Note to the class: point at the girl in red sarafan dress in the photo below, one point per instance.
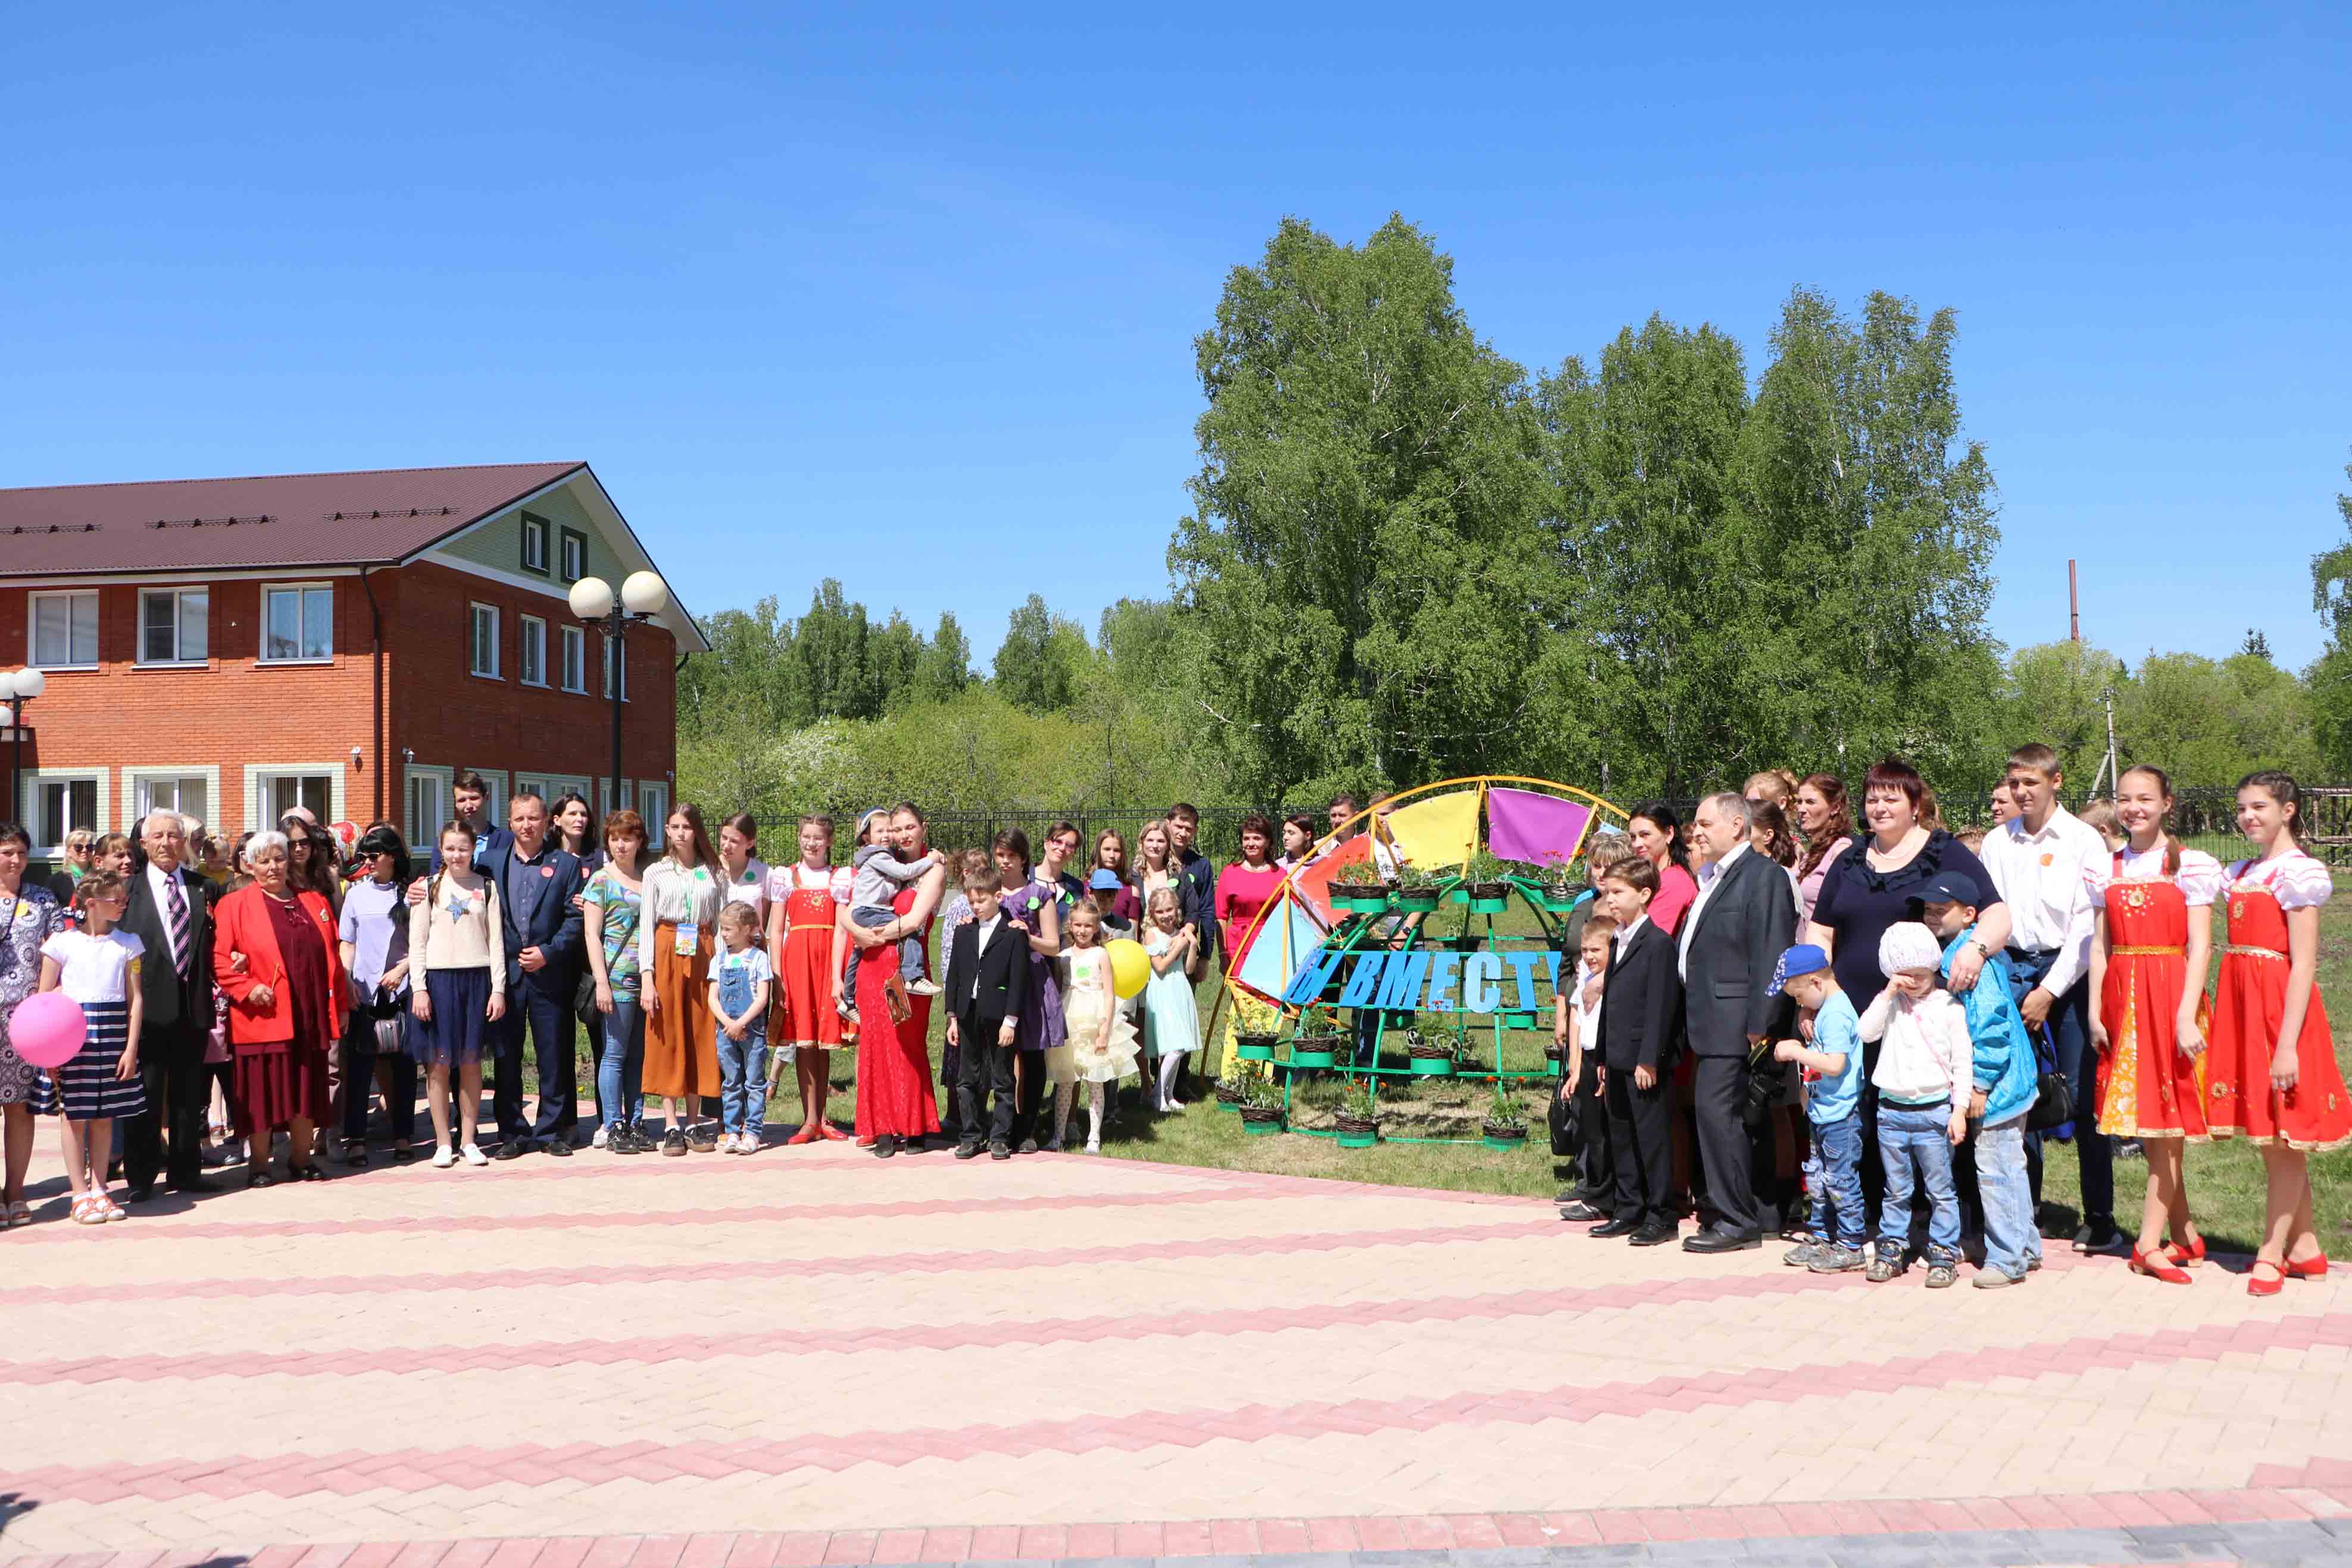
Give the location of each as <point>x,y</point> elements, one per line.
<point>2153,910</point>
<point>2273,1078</point>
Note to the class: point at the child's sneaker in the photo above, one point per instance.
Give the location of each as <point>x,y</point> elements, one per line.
<point>601,1134</point>
<point>444,1157</point>
<point>699,1139</point>
<point>746,1144</point>
<point>1801,1254</point>
<point>1995,1279</point>
<point>848,1010</point>
<point>1882,1268</point>
<point>923,988</point>
<point>1941,1273</point>
<point>727,1143</point>
<point>472,1154</point>
<point>1833,1260</point>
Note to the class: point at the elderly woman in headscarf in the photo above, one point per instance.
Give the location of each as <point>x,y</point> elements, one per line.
<point>286,1007</point>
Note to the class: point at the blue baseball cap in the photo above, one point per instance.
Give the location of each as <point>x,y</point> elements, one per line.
<point>1951,887</point>
<point>1105,880</point>
<point>1805,958</point>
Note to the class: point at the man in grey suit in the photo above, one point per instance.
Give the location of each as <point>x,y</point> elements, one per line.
<point>1745,917</point>
<point>169,910</point>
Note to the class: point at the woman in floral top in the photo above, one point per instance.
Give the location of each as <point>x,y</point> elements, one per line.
<point>611,905</point>
<point>28,917</point>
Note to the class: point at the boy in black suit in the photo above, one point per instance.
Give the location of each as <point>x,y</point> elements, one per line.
<point>1640,1036</point>
<point>987,982</point>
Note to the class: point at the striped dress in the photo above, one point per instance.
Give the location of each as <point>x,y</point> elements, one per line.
<point>97,973</point>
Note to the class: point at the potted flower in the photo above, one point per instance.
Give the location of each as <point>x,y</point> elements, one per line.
<point>1360,1116</point>
<point>1504,1125</point>
<point>1563,888</point>
<point>1430,1058</point>
<point>1316,1044</point>
<point>1417,891</point>
<point>1359,886</point>
<point>1261,1108</point>
<point>1229,1092</point>
<point>1254,1045</point>
<point>1484,887</point>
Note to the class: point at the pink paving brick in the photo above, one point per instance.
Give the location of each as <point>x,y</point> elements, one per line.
<point>515,1554</point>
<point>705,1551</point>
<point>801,1548</point>
<point>1085,1540</point>
<point>849,1547</point>
<point>1146,1540</point>
<point>1044,1541</point>
<point>1424,1534</point>
<point>1621,1527</point>
<point>1182,1538</point>
<point>1229,1537</point>
<point>1332,1535</point>
<point>945,1546</point>
<point>1281,1535</point>
<point>657,1552</point>
<point>996,1543</point>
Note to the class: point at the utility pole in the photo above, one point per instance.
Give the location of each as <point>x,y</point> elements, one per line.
<point>2073,603</point>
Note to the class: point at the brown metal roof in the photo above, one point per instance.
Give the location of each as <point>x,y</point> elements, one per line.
<point>270,520</point>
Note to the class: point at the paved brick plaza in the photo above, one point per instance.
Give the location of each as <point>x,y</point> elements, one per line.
<point>812,1357</point>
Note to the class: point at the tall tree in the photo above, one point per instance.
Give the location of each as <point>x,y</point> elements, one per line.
<point>2329,678</point>
<point>1042,660</point>
<point>829,645</point>
<point>1360,575</point>
<point>945,668</point>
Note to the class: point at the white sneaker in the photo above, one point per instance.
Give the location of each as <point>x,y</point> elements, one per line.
<point>473,1155</point>
<point>923,988</point>
<point>1094,1145</point>
<point>598,1141</point>
<point>443,1158</point>
<point>731,1143</point>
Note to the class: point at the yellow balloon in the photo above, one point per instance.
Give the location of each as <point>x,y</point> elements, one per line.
<point>1130,966</point>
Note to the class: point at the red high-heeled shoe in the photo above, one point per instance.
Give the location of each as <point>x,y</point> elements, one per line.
<point>2258,1286</point>
<point>2309,1268</point>
<point>2188,1256</point>
<point>2157,1266</point>
<point>805,1135</point>
<point>831,1134</point>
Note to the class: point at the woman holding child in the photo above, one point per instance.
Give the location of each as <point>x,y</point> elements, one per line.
<point>896,1107</point>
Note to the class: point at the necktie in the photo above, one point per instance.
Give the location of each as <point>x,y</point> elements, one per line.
<point>176,906</point>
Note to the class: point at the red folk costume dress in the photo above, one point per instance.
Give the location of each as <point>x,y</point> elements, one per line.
<point>806,1015</point>
<point>2248,1004</point>
<point>2148,1089</point>
<point>893,1063</point>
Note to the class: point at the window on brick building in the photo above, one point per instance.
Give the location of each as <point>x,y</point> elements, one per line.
<point>171,623</point>
<point>575,659</point>
<point>428,807</point>
<point>612,644</point>
<point>61,806</point>
<point>484,659</point>
<point>534,544</point>
<point>278,791</point>
<point>530,660</point>
<point>190,794</point>
<point>298,623</point>
<point>64,634</point>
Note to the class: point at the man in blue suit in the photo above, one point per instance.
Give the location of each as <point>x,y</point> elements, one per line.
<point>536,883</point>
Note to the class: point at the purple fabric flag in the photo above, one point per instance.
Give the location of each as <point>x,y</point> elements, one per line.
<point>1541,829</point>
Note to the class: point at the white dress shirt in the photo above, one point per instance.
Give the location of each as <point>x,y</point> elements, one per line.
<point>1710,878</point>
<point>981,939</point>
<point>2045,878</point>
<point>1625,935</point>
<point>159,883</point>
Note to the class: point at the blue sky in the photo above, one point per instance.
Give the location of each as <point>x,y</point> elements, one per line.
<point>909,302</point>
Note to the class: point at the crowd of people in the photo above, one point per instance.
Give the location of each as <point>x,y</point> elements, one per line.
<point>1860,1038</point>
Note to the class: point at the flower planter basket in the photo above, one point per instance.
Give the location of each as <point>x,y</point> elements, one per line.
<point>1416,900</point>
<point>1357,1133</point>
<point>1485,897</point>
<point>1518,1018</point>
<point>1558,902</point>
<point>1363,899</point>
<point>1254,1048</point>
<point>1504,1138</point>
<point>1435,1065</point>
<point>1315,1050</point>
<point>1261,1120</point>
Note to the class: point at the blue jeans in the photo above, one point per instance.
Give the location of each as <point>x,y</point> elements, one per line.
<point>1916,1142</point>
<point>743,1082</point>
<point>2010,1237</point>
<point>621,1063</point>
<point>1837,1199</point>
<point>2070,1035</point>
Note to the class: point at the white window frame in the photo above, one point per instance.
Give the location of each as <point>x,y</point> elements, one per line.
<point>571,675</point>
<point>565,537</point>
<point>474,611</point>
<point>262,652</point>
<point>33,659</point>
<point>422,833</point>
<point>208,773</point>
<point>260,776</point>
<point>535,527</point>
<point>533,637</point>
<point>180,658</point>
<point>652,791</point>
<point>608,662</point>
<point>37,779</point>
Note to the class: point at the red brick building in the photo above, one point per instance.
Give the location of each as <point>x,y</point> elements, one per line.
<point>229,647</point>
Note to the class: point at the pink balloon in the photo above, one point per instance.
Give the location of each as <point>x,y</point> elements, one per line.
<point>47,1029</point>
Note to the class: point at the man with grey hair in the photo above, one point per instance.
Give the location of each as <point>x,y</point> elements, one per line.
<point>1731,939</point>
<point>169,910</point>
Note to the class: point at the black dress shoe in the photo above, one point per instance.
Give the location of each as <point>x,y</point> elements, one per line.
<point>513,1149</point>
<point>1722,1241</point>
<point>999,1151</point>
<point>559,1147</point>
<point>1654,1235</point>
<point>967,1151</point>
<point>1580,1211</point>
<point>1615,1229</point>
<point>141,1193</point>
<point>885,1146</point>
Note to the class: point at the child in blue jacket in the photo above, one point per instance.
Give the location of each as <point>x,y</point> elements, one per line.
<point>2006,1075</point>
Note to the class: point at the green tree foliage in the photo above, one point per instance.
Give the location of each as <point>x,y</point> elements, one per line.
<point>2329,678</point>
<point>1042,660</point>
<point>2212,721</point>
<point>2056,696</point>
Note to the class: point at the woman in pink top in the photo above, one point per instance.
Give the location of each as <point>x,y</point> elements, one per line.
<point>1656,834</point>
<point>1826,818</point>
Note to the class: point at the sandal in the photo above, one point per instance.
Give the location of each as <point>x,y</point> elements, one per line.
<point>86,1210</point>
<point>313,1172</point>
<point>19,1212</point>
<point>111,1209</point>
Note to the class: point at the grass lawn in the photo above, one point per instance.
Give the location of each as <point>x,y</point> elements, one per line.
<point>2225,1180</point>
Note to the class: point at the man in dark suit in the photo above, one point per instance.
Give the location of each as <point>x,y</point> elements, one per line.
<point>1745,917</point>
<point>535,883</point>
<point>987,986</point>
<point>170,911</point>
<point>1640,1036</point>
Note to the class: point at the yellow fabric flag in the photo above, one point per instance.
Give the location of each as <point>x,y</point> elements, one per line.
<point>1436,833</point>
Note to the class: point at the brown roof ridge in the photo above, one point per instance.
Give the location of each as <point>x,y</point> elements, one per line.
<point>567,465</point>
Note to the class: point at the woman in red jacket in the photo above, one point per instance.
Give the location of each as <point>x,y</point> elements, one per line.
<point>286,1007</point>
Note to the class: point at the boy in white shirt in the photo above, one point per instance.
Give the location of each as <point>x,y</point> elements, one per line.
<point>1925,1075</point>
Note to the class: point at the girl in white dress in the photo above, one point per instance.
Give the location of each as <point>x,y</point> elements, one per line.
<point>1099,1042</point>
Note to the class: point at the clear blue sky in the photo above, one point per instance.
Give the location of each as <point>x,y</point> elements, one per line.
<point>909,303</point>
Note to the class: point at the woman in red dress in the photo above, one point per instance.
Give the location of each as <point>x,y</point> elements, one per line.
<point>274,953</point>
<point>2273,1078</point>
<point>2153,917</point>
<point>805,947</point>
<point>895,1108</point>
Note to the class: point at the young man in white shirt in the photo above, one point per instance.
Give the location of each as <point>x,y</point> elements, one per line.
<point>2038,861</point>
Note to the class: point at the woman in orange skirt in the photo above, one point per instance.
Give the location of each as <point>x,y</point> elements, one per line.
<point>677,927</point>
<point>2273,1078</point>
<point>2153,913</point>
<point>804,904</point>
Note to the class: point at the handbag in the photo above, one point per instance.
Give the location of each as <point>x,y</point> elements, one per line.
<point>583,995</point>
<point>1764,1084</point>
<point>2054,1100</point>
